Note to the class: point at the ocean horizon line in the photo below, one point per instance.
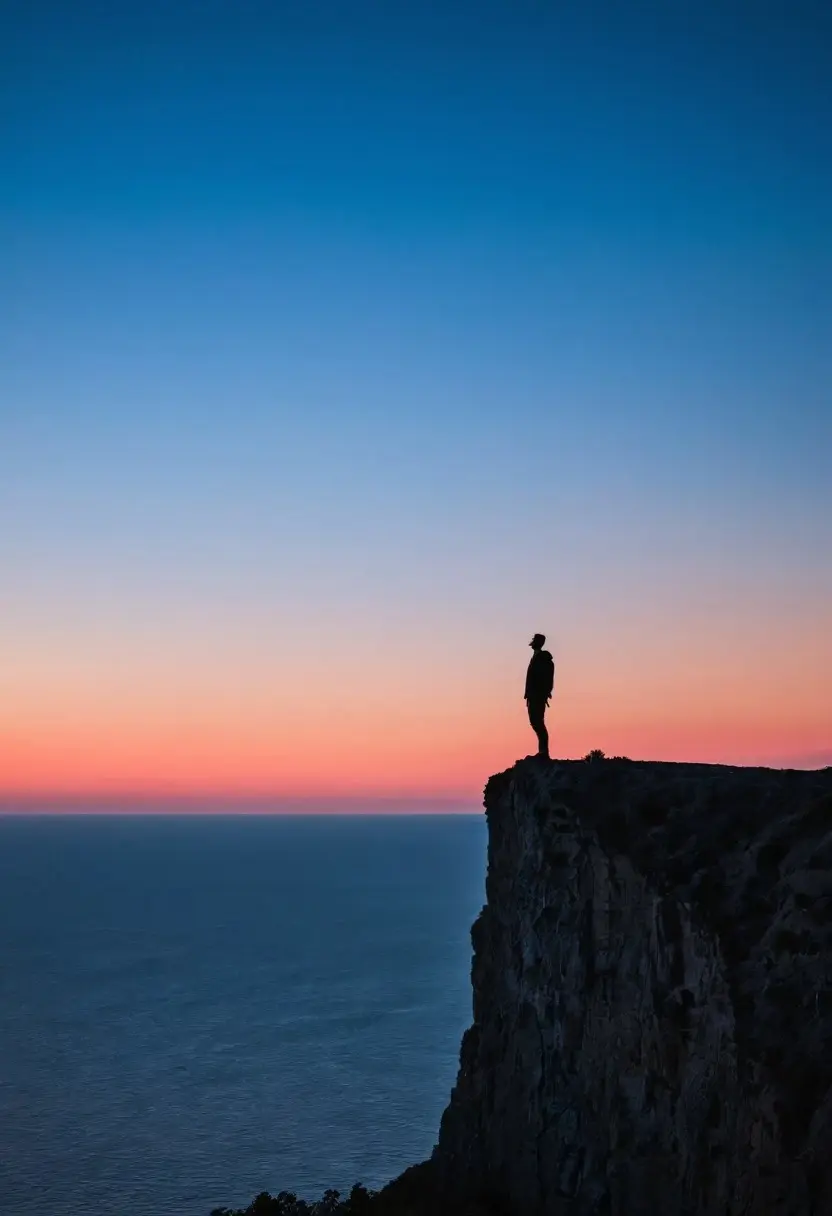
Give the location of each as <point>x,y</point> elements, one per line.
<point>225,804</point>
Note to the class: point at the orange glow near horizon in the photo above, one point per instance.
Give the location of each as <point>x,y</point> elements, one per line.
<point>393,728</point>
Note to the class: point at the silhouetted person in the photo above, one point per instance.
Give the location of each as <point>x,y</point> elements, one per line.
<point>540,679</point>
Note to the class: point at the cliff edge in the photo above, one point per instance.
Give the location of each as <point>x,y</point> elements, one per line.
<point>652,983</point>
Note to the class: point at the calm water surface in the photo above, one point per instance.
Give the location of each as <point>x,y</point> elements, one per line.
<point>197,1008</point>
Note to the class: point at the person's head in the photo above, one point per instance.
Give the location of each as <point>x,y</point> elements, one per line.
<point>538,642</point>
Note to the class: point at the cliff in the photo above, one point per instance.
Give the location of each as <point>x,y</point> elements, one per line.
<point>652,983</point>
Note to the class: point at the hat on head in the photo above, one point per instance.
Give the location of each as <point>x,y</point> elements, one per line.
<point>538,640</point>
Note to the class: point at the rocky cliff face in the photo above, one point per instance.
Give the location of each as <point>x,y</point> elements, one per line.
<point>652,995</point>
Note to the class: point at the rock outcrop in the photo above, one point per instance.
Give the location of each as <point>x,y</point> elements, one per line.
<point>652,984</point>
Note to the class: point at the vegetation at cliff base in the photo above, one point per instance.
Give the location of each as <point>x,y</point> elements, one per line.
<point>359,1202</point>
<point>413,1193</point>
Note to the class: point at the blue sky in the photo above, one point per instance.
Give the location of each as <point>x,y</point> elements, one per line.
<point>406,322</point>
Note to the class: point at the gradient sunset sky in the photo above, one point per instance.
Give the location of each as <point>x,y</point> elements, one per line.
<point>345,345</point>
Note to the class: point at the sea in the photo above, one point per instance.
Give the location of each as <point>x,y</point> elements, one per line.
<point>196,1008</point>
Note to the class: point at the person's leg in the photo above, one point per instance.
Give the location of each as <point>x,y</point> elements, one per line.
<point>543,734</point>
<point>538,724</point>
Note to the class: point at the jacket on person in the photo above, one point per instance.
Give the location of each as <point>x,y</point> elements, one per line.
<point>540,677</point>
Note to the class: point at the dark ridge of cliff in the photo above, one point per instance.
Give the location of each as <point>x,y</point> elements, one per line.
<point>652,982</point>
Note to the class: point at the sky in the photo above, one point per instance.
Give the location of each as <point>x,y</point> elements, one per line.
<point>344,345</point>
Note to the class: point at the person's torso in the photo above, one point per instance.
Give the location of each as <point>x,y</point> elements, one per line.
<point>540,675</point>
